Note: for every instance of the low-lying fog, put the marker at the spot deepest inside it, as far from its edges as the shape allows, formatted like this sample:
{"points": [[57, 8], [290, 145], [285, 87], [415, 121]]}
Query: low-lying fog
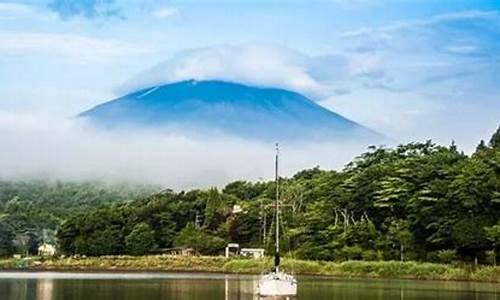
{"points": [[42, 147]]}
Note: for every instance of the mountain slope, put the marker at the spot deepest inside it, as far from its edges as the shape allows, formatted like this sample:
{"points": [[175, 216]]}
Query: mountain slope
{"points": [[226, 108]]}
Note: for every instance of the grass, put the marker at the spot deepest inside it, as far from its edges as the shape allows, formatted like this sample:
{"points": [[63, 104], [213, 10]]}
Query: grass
{"points": [[350, 269], [394, 269], [8, 264]]}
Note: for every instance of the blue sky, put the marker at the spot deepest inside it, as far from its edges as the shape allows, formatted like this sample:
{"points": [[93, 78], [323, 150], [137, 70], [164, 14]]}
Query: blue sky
{"points": [[411, 69]]}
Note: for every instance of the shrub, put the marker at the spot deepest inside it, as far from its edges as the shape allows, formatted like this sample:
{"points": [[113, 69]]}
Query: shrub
{"points": [[199, 240], [370, 255], [447, 256]]}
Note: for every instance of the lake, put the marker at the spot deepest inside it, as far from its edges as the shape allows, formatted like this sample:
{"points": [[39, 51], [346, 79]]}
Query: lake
{"points": [[180, 286]]}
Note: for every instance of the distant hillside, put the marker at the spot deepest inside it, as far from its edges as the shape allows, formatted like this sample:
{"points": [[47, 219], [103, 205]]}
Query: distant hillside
{"points": [[227, 108], [31, 211]]}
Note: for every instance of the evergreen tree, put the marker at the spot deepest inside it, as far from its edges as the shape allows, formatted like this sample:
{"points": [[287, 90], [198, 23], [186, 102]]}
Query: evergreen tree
{"points": [[481, 147], [495, 139]]}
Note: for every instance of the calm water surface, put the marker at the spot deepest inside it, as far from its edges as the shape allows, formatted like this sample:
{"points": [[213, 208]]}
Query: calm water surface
{"points": [[150, 286]]}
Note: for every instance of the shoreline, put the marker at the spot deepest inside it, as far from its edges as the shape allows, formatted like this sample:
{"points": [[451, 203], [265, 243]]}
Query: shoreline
{"points": [[221, 265], [187, 272]]}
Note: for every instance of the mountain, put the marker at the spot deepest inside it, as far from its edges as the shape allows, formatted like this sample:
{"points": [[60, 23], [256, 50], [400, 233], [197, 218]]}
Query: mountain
{"points": [[226, 108]]}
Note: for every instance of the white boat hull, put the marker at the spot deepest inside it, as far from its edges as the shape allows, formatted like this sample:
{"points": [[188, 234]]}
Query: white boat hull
{"points": [[279, 284]]}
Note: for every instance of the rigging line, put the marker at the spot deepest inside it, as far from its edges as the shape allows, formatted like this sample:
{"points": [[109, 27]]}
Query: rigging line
{"points": [[289, 248]]}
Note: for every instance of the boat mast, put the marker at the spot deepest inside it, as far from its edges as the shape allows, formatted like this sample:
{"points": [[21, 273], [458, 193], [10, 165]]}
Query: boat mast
{"points": [[277, 212]]}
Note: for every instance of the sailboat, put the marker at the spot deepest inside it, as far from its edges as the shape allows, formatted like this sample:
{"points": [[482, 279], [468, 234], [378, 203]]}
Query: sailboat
{"points": [[277, 283]]}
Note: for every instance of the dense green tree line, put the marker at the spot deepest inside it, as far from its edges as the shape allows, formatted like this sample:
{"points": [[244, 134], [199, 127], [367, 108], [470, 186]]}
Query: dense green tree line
{"points": [[419, 201], [31, 211]]}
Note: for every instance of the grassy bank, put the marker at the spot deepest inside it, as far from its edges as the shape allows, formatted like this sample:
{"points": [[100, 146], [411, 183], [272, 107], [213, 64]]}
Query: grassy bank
{"points": [[351, 269]]}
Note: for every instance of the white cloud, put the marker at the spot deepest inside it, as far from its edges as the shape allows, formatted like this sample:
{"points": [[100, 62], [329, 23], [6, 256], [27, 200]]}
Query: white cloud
{"points": [[411, 24], [440, 46], [14, 9], [260, 65], [66, 149], [11, 10], [165, 12], [71, 48]]}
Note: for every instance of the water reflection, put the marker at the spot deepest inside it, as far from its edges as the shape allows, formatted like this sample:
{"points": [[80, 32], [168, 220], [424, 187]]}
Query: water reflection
{"points": [[239, 289], [56, 286], [44, 289]]}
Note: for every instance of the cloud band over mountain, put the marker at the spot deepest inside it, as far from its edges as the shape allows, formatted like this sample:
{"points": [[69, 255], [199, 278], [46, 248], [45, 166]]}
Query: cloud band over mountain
{"points": [[261, 65]]}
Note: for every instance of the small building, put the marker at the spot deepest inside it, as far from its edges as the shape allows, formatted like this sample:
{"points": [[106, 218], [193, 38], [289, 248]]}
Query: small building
{"points": [[255, 253], [179, 251], [232, 246], [233, 249], [46, 250]]}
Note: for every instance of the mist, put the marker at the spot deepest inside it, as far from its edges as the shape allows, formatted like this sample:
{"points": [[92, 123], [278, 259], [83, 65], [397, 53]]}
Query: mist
{"points": [[35, 146]]}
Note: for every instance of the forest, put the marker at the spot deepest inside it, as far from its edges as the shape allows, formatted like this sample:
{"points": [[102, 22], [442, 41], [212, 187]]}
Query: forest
{"points": [[31, 211], [414, 202]]}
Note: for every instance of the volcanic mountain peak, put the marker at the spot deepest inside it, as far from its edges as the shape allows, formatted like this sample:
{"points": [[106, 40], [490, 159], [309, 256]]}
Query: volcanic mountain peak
{"points": [[227, 108]]}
